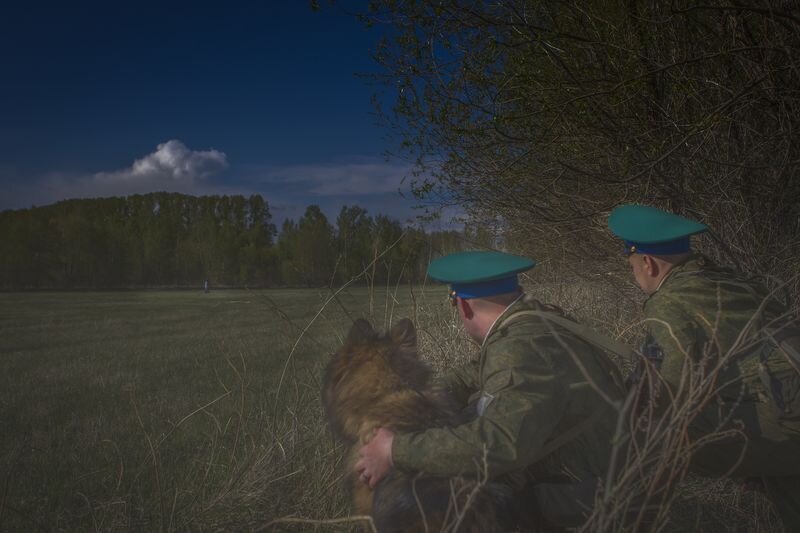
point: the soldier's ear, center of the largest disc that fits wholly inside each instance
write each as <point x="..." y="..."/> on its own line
<point x="650" y="265"/>
<point x="404" y="334"/>
<point x="360" y="330"/>
<point x="465" y="309"/>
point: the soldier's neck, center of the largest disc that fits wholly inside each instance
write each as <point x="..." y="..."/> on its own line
<point x="499" y="314"/>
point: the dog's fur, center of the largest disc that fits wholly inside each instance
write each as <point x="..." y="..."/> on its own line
<point x="377" y="381"/>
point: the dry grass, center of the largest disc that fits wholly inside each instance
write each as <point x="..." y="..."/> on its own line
<point x="163" y="411"/>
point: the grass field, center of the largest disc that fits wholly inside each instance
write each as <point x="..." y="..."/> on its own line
<point x="162" y="410"/>
<point x="147" y="411"/>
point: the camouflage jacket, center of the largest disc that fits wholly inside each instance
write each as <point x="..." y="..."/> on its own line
<point x="704" y="312"/>
<point x="531" y="391"/>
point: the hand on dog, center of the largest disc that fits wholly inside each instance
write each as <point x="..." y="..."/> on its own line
<point x="376" y="458"/>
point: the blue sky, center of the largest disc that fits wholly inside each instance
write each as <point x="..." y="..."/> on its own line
<point x="101" y="99"/>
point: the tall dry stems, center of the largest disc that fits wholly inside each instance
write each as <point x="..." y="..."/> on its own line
<point x="654" y="441"/>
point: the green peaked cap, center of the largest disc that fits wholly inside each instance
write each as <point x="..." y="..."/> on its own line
<point x="477" y="267"/>
<point x="641" y="224"/>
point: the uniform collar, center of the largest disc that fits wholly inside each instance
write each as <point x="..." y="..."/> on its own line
<point x="504" y="313"/>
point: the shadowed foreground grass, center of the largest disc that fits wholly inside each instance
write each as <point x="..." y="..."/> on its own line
<point x="151" y="411"/>
<point x="159" y="410"/>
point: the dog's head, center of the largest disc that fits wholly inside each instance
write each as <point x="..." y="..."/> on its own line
<point x="367" y="367"/>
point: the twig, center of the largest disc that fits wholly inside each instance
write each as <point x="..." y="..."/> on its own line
<point x="345" y="520"/>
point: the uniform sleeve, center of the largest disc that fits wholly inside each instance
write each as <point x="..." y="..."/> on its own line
<point x="526" y="404"/>
<point x="675" y="333"/>
<point x="461" y="382"/>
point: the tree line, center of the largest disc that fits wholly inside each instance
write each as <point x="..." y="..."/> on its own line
<point x="175" y="240"/>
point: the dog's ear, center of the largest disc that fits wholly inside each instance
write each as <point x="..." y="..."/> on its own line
<point x="361" y="330"/>
<point x="403" y="333"/>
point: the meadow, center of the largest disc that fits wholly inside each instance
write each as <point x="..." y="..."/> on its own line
<point x="168" y="410"/>
<point x="179" y="410"/>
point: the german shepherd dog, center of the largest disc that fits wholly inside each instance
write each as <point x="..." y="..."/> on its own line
<point x="378" y="380"/>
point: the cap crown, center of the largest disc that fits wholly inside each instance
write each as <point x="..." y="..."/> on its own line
<point x="649" y="225"/>
<point x="477" y="267"/>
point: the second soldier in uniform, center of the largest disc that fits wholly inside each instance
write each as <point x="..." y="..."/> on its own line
<point x="699" y="314"/>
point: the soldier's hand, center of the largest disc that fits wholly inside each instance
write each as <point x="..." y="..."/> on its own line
<point x="376" y="458"/>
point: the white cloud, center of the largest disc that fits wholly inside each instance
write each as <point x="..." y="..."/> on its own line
<point x="172" y="167"/>
<point x="172" y="164"/>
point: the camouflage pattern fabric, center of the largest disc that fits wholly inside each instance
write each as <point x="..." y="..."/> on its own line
<point x="702" y="313"/>
<point x="529" y="391"/>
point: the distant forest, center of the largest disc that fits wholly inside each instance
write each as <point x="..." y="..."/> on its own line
<point x="174" y="240"/>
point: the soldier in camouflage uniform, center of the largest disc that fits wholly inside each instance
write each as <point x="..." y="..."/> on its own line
<point x="717" y="320"/>
<point x="544" y="390"/>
